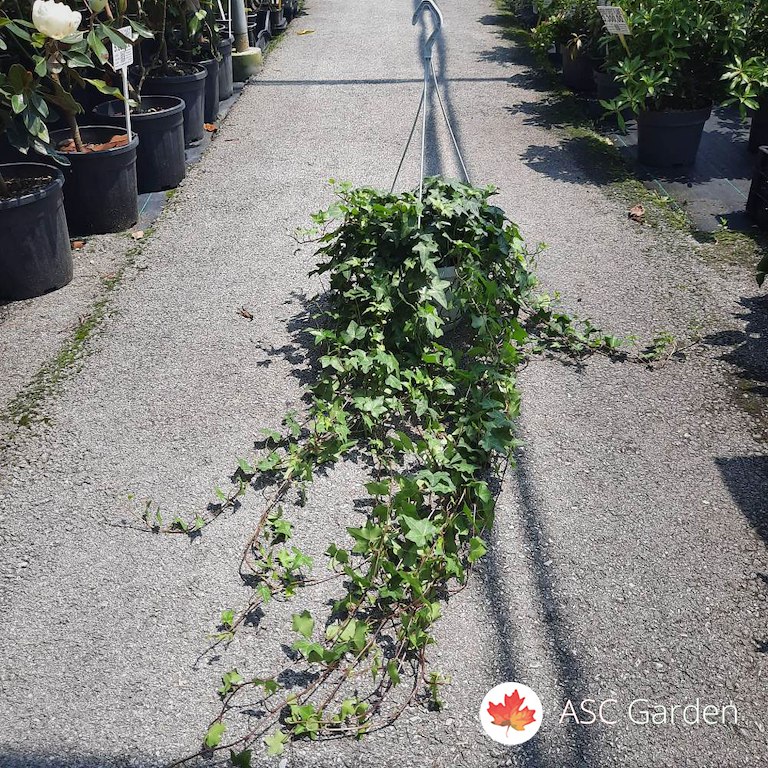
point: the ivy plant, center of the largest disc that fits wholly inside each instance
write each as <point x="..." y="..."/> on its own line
<point x="419" y="340"/>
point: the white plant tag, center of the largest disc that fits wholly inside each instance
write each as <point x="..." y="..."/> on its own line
<point x="123" y="57"/>
<point x="614" y="19"/>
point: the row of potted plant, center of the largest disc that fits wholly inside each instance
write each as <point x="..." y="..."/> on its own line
<point x="680" y="58"/>
<point x="69" y="166"/>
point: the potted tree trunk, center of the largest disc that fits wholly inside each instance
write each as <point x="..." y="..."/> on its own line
<point x="671" y="73"/>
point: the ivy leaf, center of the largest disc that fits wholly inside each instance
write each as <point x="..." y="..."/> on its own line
<point x="214" y="735"/>
<point x="477" y="549"/>
<point x="276" y="743"/>
<point x="420" y="532"/>
<point x="378" y="488"/>
<point x="303" y="623"/>
<point x="240" y="759"/>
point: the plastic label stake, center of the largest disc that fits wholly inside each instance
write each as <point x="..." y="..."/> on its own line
<point x="122" y="58"/>
<point x="615" y="23"/>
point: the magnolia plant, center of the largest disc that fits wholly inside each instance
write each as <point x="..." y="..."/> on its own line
<point x="53" y="52"/>
<point x="55" y="20"/>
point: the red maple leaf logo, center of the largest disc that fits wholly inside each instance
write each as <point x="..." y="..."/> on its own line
<point x="511" y="714"/>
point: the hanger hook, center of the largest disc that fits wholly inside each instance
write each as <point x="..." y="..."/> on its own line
<point x="429" y="5"/>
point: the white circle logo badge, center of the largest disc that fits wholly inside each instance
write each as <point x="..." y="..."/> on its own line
<point x="511" y="713"/>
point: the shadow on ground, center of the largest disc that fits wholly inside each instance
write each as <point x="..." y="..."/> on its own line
<point x="747" y="350"/>
<point x="568" y="671"/>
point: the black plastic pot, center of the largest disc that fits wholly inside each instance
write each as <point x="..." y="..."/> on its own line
<point x="758" y="133"/>
<point x="670" y="138"/>
<point x="100" y="193"/>
<point x="277" y="22"/>
<point x="191" y="89"/>
<point x="577" y="70"/>
<point x="160" y="156"/>
<point x="606" y="85"/>
<point x="225" y="69"/>
<point x="35" y="254"/>
<point x="757" y="204"/>
<point x="211" y="102"/>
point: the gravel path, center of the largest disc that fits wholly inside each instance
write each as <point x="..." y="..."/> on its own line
<point x="629" y="557"/>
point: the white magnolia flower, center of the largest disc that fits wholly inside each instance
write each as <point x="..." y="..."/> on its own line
<point x="55" y="20"/>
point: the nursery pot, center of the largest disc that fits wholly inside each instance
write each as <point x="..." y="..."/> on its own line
<point x="191" y="89"/>
<point x="670" y="137"/>
<point x="758" y="133"/>
<point x="577" y="70"/>
<point x="277" y="22"/>
<point x="35" y="254"/>
<point x="607" y="87"/>
<point x="211" y="101"/>
<point x="160" y="126"/>
<point x="100" y="187"/>
<point x="225" y="69"/>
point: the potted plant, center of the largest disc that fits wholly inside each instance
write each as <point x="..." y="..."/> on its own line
<point x="226" y="78"/>
<point x="575" y="28"/>
<point x="747" y="75"/>
<point x="158" y="121"/>
<point x="36" y="257"/>
<point x="671" y="70"/>
<point x="167" y="74"/>
<point x="100" y="193"/>
<point x="200" y="45"/>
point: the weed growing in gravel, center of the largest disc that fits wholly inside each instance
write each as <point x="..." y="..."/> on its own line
<point x="431" y="311"/>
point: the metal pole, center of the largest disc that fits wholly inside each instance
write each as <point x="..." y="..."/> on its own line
<point x="240" y="25"/>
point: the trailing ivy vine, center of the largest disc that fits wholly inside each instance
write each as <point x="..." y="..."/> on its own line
<point x="420" y="337"/>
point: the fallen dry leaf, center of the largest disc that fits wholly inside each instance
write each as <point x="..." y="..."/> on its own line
<point x="243" y="312"/>
<point x="305" y="32"/>
<point x="138" y="234"/>
<point x="78" y="244"/>
<point x="637" y="213"/>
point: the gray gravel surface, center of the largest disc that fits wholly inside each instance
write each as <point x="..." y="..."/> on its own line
<point x="628" y="559"/>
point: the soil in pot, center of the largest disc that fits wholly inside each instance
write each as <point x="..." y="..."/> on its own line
<point x="211" y="106"/>
<point x="187" y="82"/>
<point x="758" y="132"/>
<point x="670" y="138"/>
<point x="35" y="254"/>
<point x="100" y="193"/>
<point x="577" y="69"/>
<point x="226" y="81"/>
<point x="159" y="122"/>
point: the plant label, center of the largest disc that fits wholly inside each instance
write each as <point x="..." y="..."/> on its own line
<point x="614" y="19"/>
<point x="123" y="57"/>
